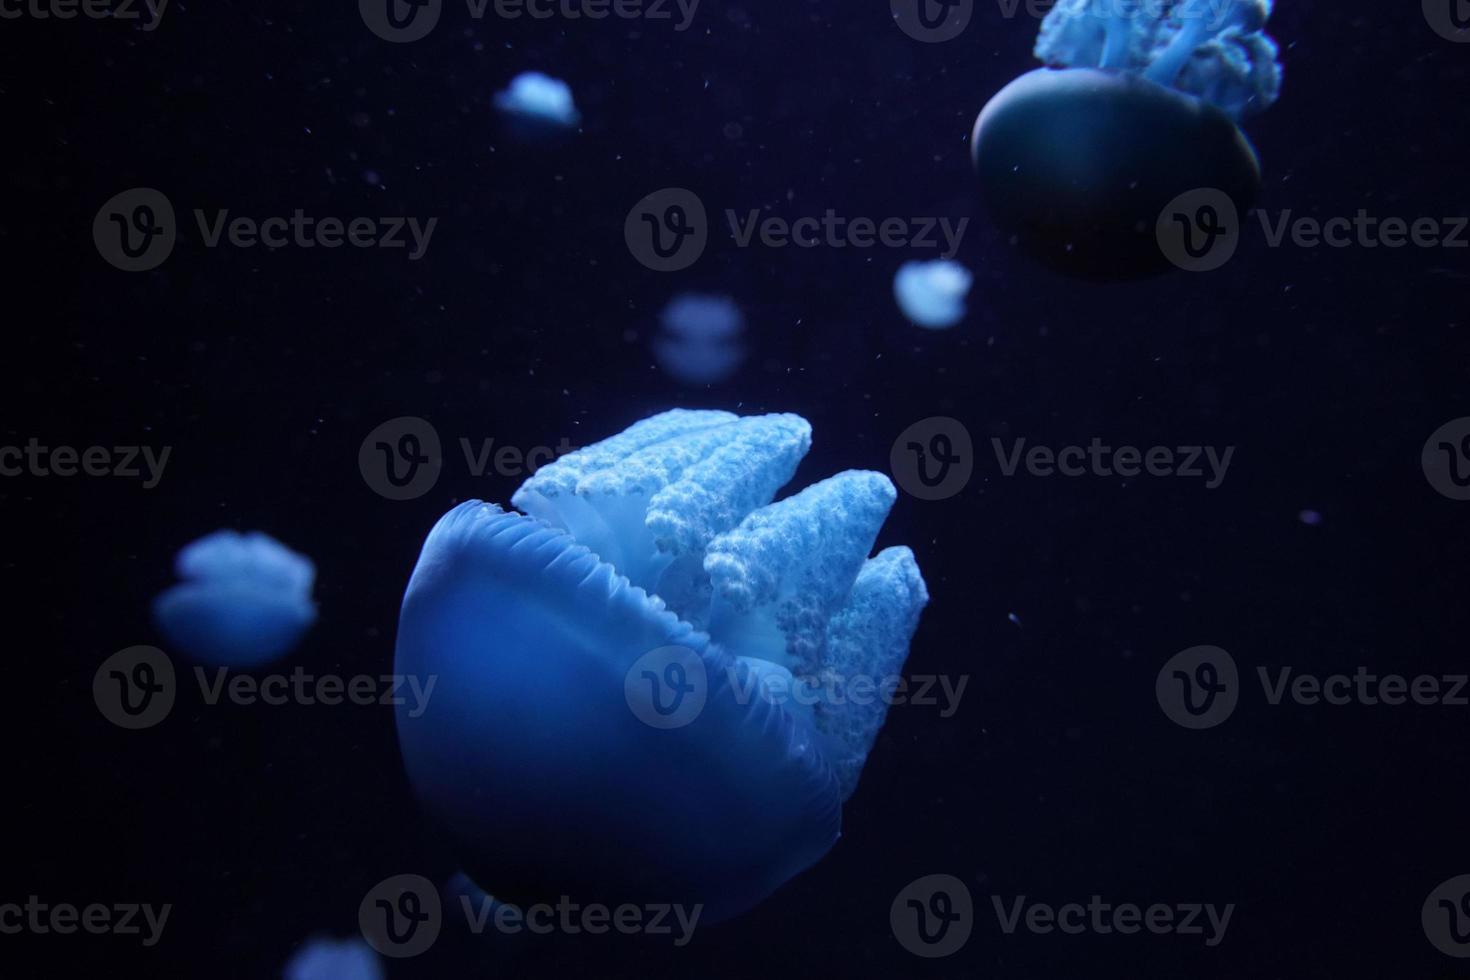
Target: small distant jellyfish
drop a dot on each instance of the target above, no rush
(1137, 106)
(333, 959)
(601, 731)
(932, 294)
(244, 600)
(700, 342)
(536, 98)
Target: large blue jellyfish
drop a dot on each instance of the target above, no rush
(1138, 106)
(245, 600)
(608, 724)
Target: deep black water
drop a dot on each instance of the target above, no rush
(528, 321)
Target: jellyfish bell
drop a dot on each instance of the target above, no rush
(242, 600)
(603, 728)
(1139, 105)
(1077, 164)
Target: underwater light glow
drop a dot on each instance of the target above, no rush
(932, 294)
(557, 758)
(245, 599)
(334, 959)
(700, 342)
(541, 97)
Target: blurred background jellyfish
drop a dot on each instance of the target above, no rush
(607, 728)
(932, 294)
(333, 959)
(538, 106)
(244, 600)
(1138, 105)
(700, 341)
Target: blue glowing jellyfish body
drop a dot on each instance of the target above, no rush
(244, 599)
(333, 959)
(932, 294)
(605, 727)
(1138, 105)
(536, 98)
(700, 343)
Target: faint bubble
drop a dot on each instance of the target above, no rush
(1311, 518)
(733, 131)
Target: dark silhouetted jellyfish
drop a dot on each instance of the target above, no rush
(1138, 106)
(932, 294)
(333, 959)
(244, 600)
(700, 343)
(609, 722)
